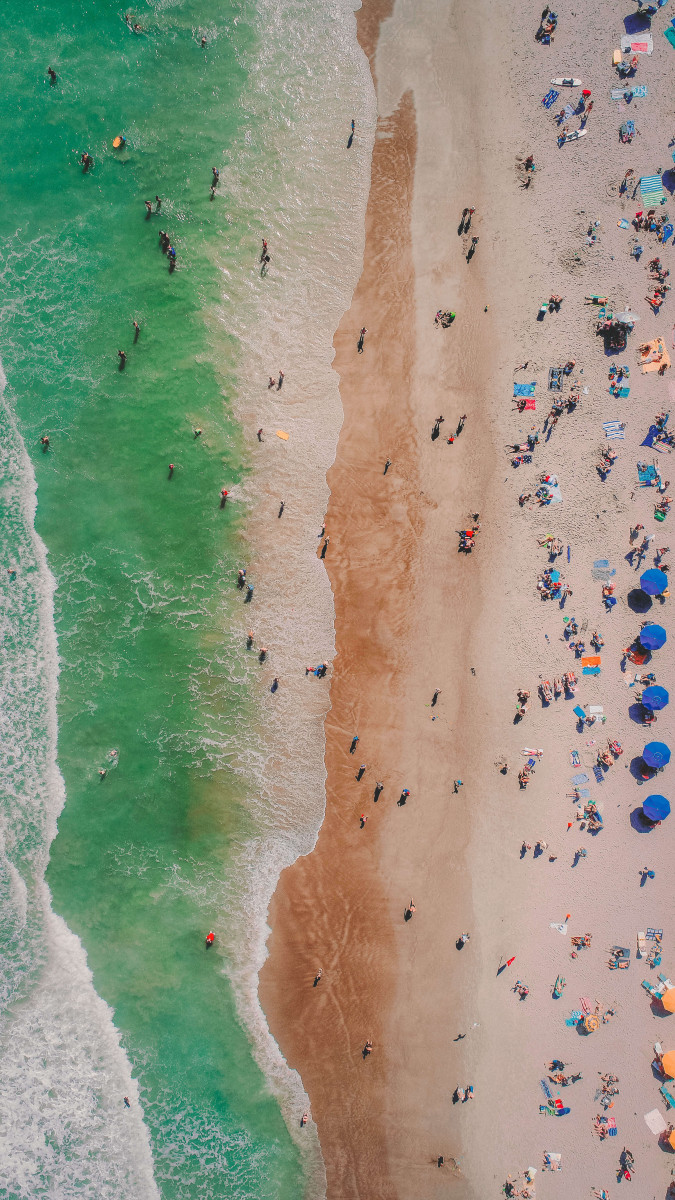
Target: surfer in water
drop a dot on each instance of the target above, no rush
(52, 76)
(210, 939)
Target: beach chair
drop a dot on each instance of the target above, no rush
(641, 945)
(649, 987)
(667, 1095)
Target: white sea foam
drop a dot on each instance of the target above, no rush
(293, 170)
(64, 1129)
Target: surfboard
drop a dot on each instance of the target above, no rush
(118, 141)
(577, 133)
(569, 82)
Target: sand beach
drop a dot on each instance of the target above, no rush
(460, 94)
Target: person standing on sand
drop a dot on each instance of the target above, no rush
(317, 977)
(353, 746)
(280, 383)
(260, 431)
(362, 336)
(386, 466)
(324, 547)
(281, 508)
(379, 788)
(435, 696)
(361, 771)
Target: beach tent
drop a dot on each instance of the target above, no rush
(652, 637)
(655, 698)
(656, 754)
(668, 1064)
(668, 1000)
(653, 582)
(656, 808)
(651, 190)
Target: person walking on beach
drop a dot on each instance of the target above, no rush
(379, 788)
(456, 785)
(281, 508)
(410, 910)
(280, 382)
(263, 253)
(403, 797)
(249, 593)
(361, 771)
(351, 137)
(460, 425)
(386, 466)
(362, 337)
(354, 744)
(435, 696)
(324, 547)
(362, 819)
(317, 977)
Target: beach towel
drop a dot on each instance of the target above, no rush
(643, 44)
(530, 404)
(555, 493)
(655, 356)
(591, 660)
(597, 771)
(579, 712)
(611, 1125)
(577, 780)
(613, 429)
(524, 389)
(584, 793)
(585, 1004)
(670, 34)
(546, 1089)
(649, 440)
(651, 190)
(655, 1122)
(654, 934)
(647, 473)
(667, 233)
(550, 98)
(639, 90)
(284, 436)
(590, 670)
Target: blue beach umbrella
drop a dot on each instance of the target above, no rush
(653, 637)
(654, 582)
(656, 808)
(655, 698)
(656, 754)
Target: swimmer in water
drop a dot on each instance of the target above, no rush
(44, 442)
(127, 1102)
(197, 432)
(123, 359)
(210, 938)
(52, 76)
(137, 331)
(103, 772)
(87, 162)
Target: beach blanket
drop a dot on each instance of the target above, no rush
(626, 93)
(649, 440)
(546, 1089)
(554, 493)
(611, 1125)
(639, 90)
(641, 44)
(651, 190)
(647, 473)
(590, 670)
(524, 389)
(654, 356)
(597, 771)
(654, 934)
(613, 429)
(591, 660)
(667, 233)
(670, 35)
(530, 404)
(585, 1004)
(655, 1122)
(550, 98)
(579, 779)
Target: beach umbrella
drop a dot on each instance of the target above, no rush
(671, 1139)
(668, 1064)
(627, 317)
(653, 637)
(654, 582)
(656, 754)
(655, 698)
(668, 1000)
(656, 808)
(591, 1023)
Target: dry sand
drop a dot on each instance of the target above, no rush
(459, 94)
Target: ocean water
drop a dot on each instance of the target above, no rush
(122, 627)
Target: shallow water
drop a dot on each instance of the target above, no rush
(214, 786)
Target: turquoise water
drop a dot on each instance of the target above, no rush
(182, 834)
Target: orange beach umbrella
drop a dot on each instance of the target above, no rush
(668, 1063)
(668, 1000)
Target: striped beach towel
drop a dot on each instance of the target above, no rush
(614, 429)
(651, 190)
(585, 1004)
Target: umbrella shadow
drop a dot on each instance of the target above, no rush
(637, 22)
(638, 601)
(637, 767)
(638, 822)
(635, 713)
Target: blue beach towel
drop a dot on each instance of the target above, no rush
(639, 89)
(550, 98)
(613, 428)
(670, 34)
(667, 233)
(649, 440)
(590, 670)
(580, 778)
(597, 771)
(647, 473)
(524, 389)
